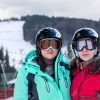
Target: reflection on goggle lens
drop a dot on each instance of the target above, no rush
(85, 43)
(50, 42)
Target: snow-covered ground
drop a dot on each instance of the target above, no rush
(11, 38)
(11, 98)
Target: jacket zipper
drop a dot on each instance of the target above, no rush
(46, 84)
(58, 76)
(65, 79)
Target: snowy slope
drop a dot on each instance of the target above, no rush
(11, 38)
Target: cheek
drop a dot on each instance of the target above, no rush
(43, 52)
(55, 52)
(79, 53)
(93, 53)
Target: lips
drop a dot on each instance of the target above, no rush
(85, 54)
(49, 53)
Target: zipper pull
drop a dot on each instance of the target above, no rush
(46, 84)
(65, 79)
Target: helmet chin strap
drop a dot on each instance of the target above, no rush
(76, 54)
(95, 52)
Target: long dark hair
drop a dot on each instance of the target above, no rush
(96, 68)
(73, 66)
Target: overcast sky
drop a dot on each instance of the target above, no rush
(87, 9)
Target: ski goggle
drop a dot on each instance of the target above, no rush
(85, 43)
(50, 43)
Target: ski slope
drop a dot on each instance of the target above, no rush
(11, 38)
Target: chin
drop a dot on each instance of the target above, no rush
(86, 59)
(50, 57)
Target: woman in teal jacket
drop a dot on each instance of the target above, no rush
(45, 73)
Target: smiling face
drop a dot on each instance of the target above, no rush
(86, 54)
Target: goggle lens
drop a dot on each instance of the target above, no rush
(85, 43)
(46, 43)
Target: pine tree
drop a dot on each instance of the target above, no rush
(6, 59)
(1, 62)
(1, 54)
(1, 58)
(8, 68)
(70, 52)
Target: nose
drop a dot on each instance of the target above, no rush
(84, 49)
(50, 48)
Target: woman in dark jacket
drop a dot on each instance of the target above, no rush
(85, 67)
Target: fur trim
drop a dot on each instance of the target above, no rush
(96, 68)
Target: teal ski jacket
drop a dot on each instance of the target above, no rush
(34, 84)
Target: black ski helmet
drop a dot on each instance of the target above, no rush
(47, 32)
(85, 33)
